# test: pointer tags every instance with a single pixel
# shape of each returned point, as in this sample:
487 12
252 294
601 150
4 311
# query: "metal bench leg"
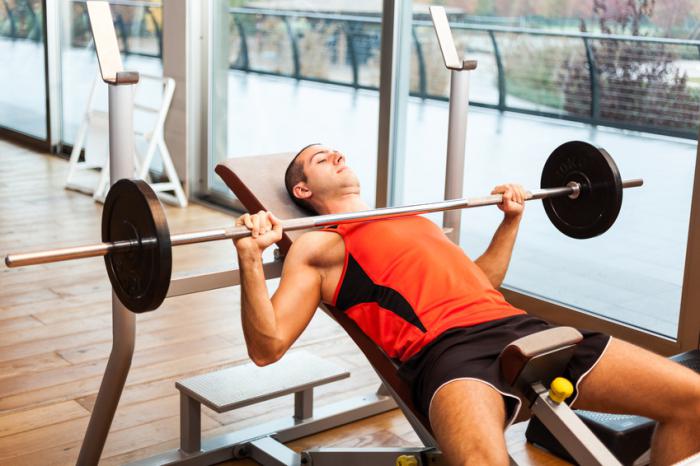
373 456
190 424
570 430
304 404
270 452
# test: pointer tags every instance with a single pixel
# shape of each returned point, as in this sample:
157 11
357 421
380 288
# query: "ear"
301 190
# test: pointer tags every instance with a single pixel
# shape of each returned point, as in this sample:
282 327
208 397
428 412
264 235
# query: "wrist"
512 218
249 254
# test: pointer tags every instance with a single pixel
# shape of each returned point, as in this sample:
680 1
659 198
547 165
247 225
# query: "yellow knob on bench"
406 460
560 389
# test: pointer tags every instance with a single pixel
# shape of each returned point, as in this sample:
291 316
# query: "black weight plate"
597 206
140 276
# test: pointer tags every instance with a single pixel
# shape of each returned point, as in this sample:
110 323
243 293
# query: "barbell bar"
581 189
302 223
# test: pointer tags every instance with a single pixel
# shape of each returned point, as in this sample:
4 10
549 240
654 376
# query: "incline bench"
529 363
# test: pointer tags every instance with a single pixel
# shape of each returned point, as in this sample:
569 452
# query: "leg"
631 380
468 418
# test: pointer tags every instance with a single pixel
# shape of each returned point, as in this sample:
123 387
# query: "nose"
338 158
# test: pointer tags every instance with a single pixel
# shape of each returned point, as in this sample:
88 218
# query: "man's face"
326 171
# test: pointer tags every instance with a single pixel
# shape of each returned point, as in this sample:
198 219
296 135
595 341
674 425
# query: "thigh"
468 417
631 380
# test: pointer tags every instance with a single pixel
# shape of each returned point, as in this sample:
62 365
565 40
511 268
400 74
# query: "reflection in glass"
22 82
633 274
139 32
287 76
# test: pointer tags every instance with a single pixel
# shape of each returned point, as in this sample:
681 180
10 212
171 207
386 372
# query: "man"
425 303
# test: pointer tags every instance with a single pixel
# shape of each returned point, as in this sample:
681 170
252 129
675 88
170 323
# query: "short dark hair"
293 175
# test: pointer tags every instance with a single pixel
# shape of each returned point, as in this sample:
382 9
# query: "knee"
686 408
693 413
476 455
483 456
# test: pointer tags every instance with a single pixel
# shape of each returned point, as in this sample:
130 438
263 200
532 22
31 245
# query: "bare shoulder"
317 248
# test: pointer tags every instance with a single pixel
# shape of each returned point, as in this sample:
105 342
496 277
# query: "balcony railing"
630 82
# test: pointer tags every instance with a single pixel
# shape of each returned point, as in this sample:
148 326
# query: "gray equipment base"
232 445
372 456
246 384
297 372
222 391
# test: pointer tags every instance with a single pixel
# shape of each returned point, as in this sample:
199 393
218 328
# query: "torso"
402 281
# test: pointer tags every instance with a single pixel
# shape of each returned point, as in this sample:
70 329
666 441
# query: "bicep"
487 268
297 297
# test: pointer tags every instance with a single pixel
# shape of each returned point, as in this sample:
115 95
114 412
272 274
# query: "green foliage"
530 75
483 7
639 83
544 96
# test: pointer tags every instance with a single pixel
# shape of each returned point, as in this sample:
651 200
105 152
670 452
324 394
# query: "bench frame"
265 442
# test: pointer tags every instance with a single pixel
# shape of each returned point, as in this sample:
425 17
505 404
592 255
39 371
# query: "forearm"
495 260
258 317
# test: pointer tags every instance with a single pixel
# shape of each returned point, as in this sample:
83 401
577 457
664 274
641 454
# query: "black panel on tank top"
358 288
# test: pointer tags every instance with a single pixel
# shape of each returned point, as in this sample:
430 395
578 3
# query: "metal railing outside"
138 25
638 83
628 82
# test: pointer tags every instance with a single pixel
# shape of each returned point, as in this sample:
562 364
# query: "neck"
346 203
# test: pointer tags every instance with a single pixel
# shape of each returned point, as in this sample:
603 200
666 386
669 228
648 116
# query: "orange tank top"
404 283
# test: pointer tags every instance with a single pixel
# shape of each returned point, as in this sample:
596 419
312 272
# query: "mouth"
343 168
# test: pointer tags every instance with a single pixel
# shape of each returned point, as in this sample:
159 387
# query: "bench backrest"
258 182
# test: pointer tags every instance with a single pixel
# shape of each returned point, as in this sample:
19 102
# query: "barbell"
581 191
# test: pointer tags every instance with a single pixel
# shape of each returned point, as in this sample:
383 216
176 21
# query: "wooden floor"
55 337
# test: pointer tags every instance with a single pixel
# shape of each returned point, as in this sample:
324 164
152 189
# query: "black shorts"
472 353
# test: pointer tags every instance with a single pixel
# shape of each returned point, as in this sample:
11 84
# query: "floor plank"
31 419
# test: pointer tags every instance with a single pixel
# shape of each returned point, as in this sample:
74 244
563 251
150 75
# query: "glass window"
287 74
22 79
138 26
538 68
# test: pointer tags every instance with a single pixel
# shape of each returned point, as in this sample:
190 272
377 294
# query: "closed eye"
323 159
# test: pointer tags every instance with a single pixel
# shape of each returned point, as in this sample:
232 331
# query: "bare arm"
271 325
495 260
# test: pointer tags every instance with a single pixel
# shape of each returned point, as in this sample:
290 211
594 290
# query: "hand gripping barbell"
581 191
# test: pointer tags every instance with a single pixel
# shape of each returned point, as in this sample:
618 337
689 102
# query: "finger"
256 225
275 222
247 221
517 194
499 189
265 224
262 222
275 227
508 194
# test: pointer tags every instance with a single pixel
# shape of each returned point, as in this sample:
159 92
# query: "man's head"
318 175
